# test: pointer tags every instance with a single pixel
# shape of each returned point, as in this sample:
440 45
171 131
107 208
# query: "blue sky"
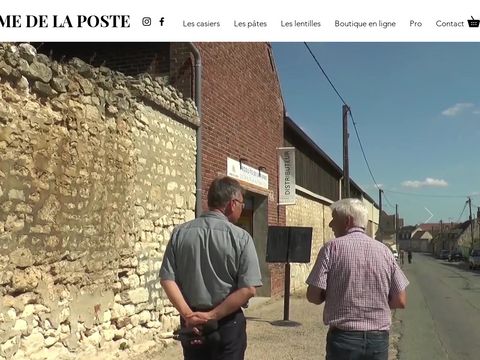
417 110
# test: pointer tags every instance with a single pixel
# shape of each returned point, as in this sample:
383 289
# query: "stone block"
28 311
51 340
154 324
135 320
15 194
144 317
179 200
10 347
14 223
118 311
130 309
24 281
135 296
5 277
119 334
21 326
32 344
107 316
123 322
142 267
12 314
21 258
27 52
108 334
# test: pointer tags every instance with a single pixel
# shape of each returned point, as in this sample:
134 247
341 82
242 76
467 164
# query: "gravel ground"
267 339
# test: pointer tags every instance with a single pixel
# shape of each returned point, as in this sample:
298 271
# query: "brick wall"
182 74
129 59
242 115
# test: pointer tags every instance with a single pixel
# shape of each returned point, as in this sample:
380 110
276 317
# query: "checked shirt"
358 274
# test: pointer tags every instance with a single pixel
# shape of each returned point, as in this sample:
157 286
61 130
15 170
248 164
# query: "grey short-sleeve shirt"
209 258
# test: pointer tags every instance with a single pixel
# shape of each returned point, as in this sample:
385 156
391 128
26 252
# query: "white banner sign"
247 173
286 176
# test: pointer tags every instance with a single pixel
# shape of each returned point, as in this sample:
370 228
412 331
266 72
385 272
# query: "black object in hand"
209 334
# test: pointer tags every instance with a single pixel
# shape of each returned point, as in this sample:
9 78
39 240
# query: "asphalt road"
442 318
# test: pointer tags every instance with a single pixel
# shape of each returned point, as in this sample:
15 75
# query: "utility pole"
380 215
346 173
478 220
380 200
469 201
441 235
396 226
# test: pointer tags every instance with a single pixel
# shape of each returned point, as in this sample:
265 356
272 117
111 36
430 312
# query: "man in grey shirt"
209 270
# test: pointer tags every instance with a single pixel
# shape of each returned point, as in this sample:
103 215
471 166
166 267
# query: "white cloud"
457 109
428 182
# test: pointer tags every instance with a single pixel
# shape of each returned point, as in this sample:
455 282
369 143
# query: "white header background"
176 12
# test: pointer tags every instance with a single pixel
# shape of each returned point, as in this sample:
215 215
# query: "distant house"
454 237
420 241
435 228
405 236
415 238
464 241
387 229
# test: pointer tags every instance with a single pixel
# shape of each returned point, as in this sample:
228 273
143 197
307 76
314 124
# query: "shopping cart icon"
473 22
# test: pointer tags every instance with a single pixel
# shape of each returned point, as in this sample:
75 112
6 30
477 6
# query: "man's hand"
315 295
194 319
176 297
398 301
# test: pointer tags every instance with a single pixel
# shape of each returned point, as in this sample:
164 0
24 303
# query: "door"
246 219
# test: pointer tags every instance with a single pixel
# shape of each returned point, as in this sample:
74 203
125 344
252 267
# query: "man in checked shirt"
360 281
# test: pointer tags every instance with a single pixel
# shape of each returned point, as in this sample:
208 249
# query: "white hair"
353 208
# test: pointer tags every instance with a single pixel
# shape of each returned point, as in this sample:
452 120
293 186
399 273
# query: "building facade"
242 126
318 185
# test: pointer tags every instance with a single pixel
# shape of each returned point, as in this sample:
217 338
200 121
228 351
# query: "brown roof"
418 234
436 227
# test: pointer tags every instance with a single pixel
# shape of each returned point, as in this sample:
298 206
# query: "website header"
298 21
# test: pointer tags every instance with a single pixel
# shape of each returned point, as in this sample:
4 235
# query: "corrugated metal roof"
288 122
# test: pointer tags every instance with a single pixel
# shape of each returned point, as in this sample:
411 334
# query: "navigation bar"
142 25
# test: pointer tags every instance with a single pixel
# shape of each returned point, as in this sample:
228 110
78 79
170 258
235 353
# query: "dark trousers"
232 345
357 345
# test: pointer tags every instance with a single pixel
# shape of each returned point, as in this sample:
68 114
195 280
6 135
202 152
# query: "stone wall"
464 242
312 212
373 214
96 168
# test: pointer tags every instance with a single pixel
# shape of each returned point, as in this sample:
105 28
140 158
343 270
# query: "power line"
364 156
351 116
363 151
464 207
325 74
388 202
428 195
